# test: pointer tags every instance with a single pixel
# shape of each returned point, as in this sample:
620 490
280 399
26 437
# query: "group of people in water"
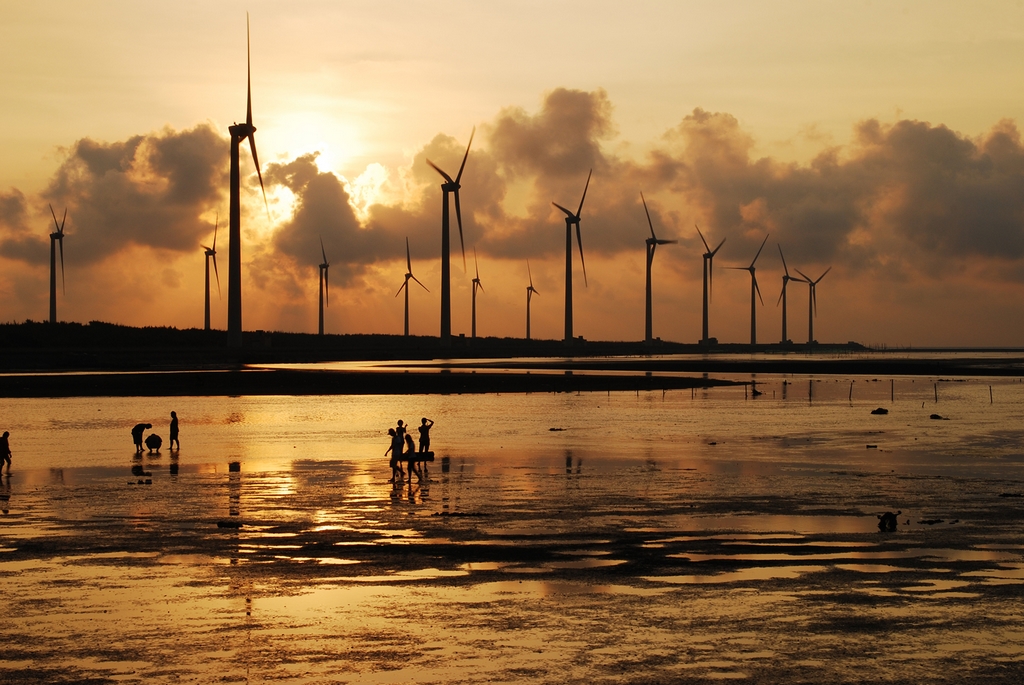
154 441
403 450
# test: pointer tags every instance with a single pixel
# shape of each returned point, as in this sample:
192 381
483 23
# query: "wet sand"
651 538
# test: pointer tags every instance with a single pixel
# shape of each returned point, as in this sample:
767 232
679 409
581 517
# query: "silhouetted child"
410 456
153 442
137 432
425 426
5 452
397 475
174 432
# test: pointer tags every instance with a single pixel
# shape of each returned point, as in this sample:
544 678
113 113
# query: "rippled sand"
757 557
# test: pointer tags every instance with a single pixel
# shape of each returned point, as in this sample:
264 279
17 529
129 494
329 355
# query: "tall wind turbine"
753 290
786 278
56 237
449 187
211 252
709 255
476 285
405 286
812 301
324 285
652 245
570 221
239 132
530 290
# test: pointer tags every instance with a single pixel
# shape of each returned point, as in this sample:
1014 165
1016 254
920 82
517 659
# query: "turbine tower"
211 252
476 285
325 292
449 187
530 290
812 302
652 245
709 255
570 221
786 278
753 290
56 237
239 132
405 286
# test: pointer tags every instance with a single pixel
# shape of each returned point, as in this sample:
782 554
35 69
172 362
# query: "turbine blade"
418 281
438 170
407 277
63 284
579 241
649 223
715 251
322 251
63 219
667 242
757 289
530 273
806 279
465 157
216 225
786 268
707 248
259 174
408 255
458 215
584 194
248 75
480 285
327 286
216 274
55 224
759 251
814 299
781 294
567 212
476 264
822 276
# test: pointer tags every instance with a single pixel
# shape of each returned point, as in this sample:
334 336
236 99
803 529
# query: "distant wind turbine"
405 286
530 290
570 221
449 187
211 252
786 278
753 290
325 291
652 245
709 255
812 301
239 132
56 237
476 285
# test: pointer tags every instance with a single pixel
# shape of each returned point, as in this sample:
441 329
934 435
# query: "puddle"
585 563
744 575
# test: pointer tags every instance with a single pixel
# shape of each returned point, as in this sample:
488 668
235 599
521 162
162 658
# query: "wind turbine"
55 237
812 301
652 245
709 255
324 285
571 220
405 286
476 284
211 252
449 187
239 132
530 290
753 290
786 278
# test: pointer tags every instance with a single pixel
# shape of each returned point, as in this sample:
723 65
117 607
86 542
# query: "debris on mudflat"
882 411
1011 494
460 513
887 521
556 430
229 524
938 417
931 522
871 447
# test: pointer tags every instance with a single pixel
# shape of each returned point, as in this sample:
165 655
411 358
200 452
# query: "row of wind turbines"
450 190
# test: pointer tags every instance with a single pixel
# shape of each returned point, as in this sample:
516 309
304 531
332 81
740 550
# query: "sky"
876 139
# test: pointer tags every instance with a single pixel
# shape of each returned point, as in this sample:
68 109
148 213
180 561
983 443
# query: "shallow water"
670 537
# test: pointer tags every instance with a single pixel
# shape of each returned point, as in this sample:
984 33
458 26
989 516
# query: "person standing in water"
5 452
425 426
174 433
397 475
410 456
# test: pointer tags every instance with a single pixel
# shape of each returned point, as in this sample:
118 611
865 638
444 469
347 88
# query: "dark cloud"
19 242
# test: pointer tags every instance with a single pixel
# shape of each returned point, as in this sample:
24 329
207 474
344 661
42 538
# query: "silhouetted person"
153 442
400 433
173 442
397 475
410 456
137 432
424 429
887 521
5 452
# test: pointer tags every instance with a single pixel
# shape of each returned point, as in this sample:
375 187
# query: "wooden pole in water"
851 391
990 394
936 391
892 389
